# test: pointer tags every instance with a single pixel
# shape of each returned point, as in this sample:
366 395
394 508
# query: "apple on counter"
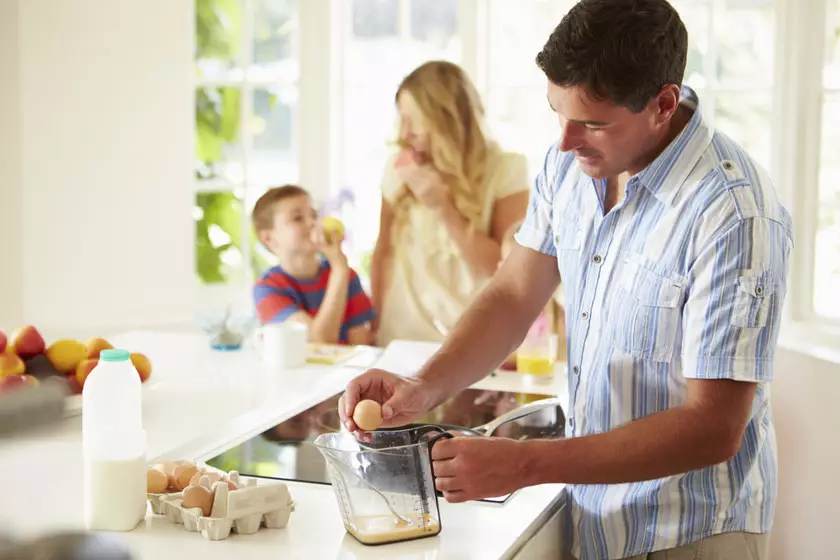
11 364
10 383
26 355
27 342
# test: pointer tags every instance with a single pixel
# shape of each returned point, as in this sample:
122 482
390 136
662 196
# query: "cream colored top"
430 283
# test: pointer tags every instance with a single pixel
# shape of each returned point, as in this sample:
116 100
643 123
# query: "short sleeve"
359 309
536 231
391 183
733 311
274 300
510 175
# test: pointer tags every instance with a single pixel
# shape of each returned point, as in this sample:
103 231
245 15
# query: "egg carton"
243 511
157 500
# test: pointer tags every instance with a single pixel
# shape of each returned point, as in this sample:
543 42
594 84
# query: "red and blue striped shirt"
278 295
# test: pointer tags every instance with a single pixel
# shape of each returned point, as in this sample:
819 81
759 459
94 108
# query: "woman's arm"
381 259
483 252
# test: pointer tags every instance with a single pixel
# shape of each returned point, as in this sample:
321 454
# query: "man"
674 250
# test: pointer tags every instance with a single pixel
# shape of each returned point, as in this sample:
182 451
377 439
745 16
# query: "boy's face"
294 228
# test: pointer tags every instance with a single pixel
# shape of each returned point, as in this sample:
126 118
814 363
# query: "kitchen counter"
199 403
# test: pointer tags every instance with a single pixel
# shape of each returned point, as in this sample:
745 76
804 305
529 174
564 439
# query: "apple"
82 371
27 342
142 365
11 365
73 384
16 382
3 342
97 345
333 229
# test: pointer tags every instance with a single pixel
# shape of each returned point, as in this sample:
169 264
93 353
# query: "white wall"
11 273
806 409
105 113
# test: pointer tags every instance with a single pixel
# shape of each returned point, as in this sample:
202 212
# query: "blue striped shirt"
684 279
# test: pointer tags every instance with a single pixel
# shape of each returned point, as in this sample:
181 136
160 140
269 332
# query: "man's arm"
730 325
495 323
704 431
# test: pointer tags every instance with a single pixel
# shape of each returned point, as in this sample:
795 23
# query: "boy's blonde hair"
263 214
458 143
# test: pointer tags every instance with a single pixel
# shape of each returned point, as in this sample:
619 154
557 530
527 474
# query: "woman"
448 197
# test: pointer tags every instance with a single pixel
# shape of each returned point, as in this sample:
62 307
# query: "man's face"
606 139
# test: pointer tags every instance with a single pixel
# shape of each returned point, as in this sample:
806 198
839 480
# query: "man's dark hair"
622 51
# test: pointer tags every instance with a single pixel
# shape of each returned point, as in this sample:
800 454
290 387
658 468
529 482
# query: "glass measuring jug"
385 488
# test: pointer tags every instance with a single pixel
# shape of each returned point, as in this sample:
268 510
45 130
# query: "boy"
312 283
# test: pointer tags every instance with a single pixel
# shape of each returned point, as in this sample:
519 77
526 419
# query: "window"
382 40
518 113
248 57
246 95
827 243
731 67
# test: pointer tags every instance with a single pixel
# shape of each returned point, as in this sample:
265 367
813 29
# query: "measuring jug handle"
432 441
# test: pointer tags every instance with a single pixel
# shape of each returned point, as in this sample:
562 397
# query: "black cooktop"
285 452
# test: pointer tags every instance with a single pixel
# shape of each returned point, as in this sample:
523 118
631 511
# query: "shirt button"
596 259
576 370
585 315
572 423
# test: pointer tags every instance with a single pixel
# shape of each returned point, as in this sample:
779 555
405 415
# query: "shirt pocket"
754 299
648 316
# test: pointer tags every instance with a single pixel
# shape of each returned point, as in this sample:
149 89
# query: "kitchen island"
200 403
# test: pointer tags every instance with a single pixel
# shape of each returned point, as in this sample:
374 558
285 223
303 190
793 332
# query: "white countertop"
199 403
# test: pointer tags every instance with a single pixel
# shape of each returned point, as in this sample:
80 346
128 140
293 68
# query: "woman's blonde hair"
458 144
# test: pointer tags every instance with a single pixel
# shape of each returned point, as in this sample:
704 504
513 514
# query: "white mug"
284 344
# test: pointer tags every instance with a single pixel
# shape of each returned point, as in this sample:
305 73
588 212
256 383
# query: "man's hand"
402 398
474 467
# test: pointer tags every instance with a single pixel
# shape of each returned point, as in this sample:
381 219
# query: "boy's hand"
331 249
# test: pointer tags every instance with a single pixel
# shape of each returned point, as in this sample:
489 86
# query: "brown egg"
166 467
198 497
368 415
182 475
156 481
212 478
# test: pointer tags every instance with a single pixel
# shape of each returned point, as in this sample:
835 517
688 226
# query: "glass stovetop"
286 452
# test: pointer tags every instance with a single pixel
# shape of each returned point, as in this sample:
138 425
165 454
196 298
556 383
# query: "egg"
182 475
198 497
166 467
212 478
368 415
156 481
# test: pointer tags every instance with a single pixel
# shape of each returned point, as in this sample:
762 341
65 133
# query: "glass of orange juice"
536 354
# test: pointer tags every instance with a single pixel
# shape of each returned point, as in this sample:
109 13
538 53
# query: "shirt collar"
665 175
